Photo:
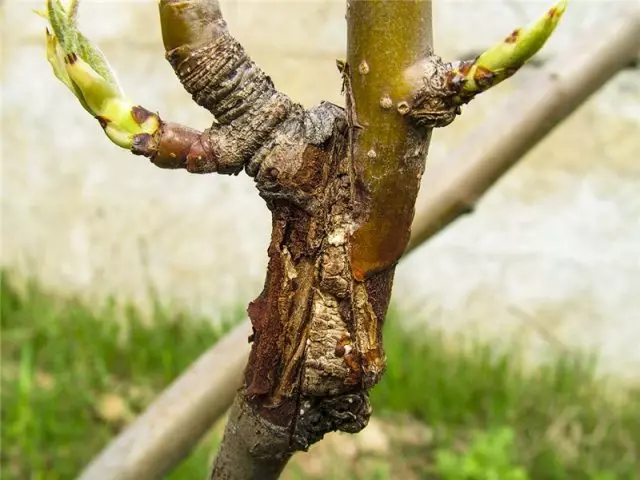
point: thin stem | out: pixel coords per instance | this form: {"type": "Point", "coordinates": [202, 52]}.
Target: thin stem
{"type": "Point", "coordinates": [384, 39]}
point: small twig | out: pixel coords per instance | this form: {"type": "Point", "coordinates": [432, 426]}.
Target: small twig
{"type": "Point", "coordinates": [523, 120]}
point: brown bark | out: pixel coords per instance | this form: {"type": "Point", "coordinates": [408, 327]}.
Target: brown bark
{"type": "Point", "coordinates": [342, 204]}
{"type": "Point", "coordinates": [196, 399]}
{"type": "Point", "coordinates": [341, 185]}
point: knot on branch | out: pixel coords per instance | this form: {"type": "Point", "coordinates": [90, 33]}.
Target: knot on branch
{"type": "Point", "coordinates": [435, 101]}
{"type": "Point", "coordinates": [318, 416]}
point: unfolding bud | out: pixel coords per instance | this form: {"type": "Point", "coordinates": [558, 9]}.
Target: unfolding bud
{"type": "Point", "coordinates": [83, 68]}
{"type": "Point", "coordinates": [439, 89]}
{"type": "Point", "coordinates": [504, 58]}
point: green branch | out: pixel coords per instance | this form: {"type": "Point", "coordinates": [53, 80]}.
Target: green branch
{"type": "Point", "coordinates": [437, 89]}
{"type": "Point", "coordinates": [83, 68]}
{"type": "Point", "coordinates": [505, 58]}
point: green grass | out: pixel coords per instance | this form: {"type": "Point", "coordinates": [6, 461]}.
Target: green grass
{"type": "Point", "coordinates": [567, 423]}
{"type": "Point", "coordinates": [73, 376]}
{"type": "Point", "coordinates": [61, 361]}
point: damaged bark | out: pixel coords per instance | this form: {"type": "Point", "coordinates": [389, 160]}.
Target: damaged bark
{"type": "Point", "coordinates": [341, 185]}
{"type": "Point", "coordinates": [316, 327]}
{"type": "Point", "coordinates": [317, 343]}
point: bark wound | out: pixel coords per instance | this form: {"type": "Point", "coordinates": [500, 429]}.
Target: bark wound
{"type": "Point", "coordinates": [317, 344]}
{"type": "Point", "coordinates": [316, 329]}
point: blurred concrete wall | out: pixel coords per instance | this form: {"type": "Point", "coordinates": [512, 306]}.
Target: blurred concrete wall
{"type": "Point", "coordinates": [552, 253]}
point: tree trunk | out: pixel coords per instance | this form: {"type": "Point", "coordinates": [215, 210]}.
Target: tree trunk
{"type": "Point", "coordinates": [341, 185]}
{"type": "Point", "coordinates": [341, 221]}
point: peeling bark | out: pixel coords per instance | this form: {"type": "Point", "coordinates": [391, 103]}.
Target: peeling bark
{"type": "Point", "coordinates": [341, 185]}
{"type": "Point", "coordinates": [317, 342]}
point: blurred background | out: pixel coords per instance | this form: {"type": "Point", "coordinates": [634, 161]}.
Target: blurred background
{"type": "Point", "coordinates": [557, 239]}
{"type": "Point", "coordinates": [550, 257]}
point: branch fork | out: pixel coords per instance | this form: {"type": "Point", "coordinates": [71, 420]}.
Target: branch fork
{"type": "Point", "coordinates": [340, 184]}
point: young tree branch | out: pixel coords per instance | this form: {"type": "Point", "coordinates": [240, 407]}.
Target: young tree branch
{"type": "Point", "coordinates": [341, 186]}
{"type": "Point", "coordinates": [196, 399]}
{"type": "Point", "coordinates": [524, 119]}
{"type": "Point", "coordinates": [438, 90]}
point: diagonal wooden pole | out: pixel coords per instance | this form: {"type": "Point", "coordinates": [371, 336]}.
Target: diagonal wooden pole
{"type": "Point", "coordinates": [174, 423]}
{"type": "Point", "coordinates": [171, 427]}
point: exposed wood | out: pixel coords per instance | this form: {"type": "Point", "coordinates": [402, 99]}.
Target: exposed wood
{"type": "Point", "coordinates": [157, 441]}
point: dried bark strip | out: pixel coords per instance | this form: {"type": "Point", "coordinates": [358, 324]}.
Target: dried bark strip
{"type": "Point", "coordinates": [341, 187]}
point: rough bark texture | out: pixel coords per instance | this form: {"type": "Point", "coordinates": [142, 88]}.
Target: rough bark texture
{"type": "Point", "coordinates": [341, 185]}
{"type": "Point", "coordinates": [316, 329]}
{"type": "Point", "coordinates": [316, 342]}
